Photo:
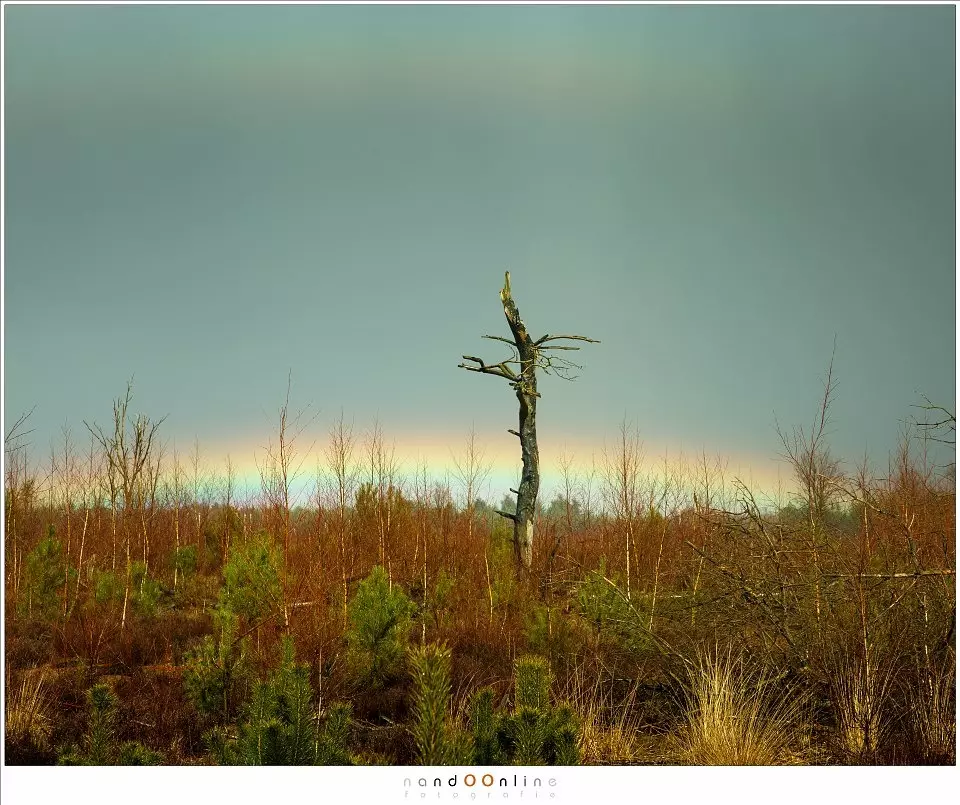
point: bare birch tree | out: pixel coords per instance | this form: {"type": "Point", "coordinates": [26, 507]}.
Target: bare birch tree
{"type": "Point", "coordinates": [20, 487]}
{"type": "Point", "coordinates": [623, 492]}
{"type": "Point", "coordinates": [471, 469]}
{"type": "Point", "coordinates": [343, 474]}
{"type": "Point", "coordinates": [130, 449]}
{"type": "Point", "coordinates": [279, 471]}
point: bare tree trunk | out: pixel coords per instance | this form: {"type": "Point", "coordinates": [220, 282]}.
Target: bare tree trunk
{"type": "Point", "coordinates": [126, 583]}
{"type": "Point", "coordinates": [339, 457]}
{"type": "Point", "coordinates": [528, 356]}
{"type": "Point", "coordinates": [83, 538]}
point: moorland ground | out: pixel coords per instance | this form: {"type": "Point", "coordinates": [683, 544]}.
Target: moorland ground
{"type": "Point", "coordinates": [156, 615]}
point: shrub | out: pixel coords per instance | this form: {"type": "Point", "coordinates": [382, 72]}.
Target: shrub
{"type": "Point", "coordinates": [45, 574]}
{"type": "Point", "coordinates": [535, 733]}
{"type": "Point", "coordinates": [99, 746]}
{"type": "Point", "coordinates": [606, 608]}
{"type": "Point", "coordinates": [252, 578]}
{"type": "Point", "coordinates": [436, 739]}
{"type": "Point", "coordinates": [437, 602]}
{"type": "Point", "coordinates": [28, 725]}
{"type": "Point", "coordinates": [107, 587]}
{"type": "Point", "coordinates": [378, 629]}
{"type": "Point", "coordinates": [738, 718]}
{"type": "Point", "coordinates": [279, 727]}
{"type": "Point", "coordinates": [933, 710]}
{"type": "Point", "coordinates": [860, 689]}
{"type": "Point", "coordinates": [334, 734]}
{"type": "Point", "coordinates": [217, 671]}
{"type": "Point", "coordinates": [532, 679]}
{"type": "Point", "coordinates": [485, 726]}
{"type": "Point", "coordinates": [185, 560]}
{"type": "Point", "coordinates": [551, 632]}
{"type": "Point", "coordinates": [145, 592]}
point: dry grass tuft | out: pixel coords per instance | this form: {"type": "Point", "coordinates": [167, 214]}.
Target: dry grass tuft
{"type": "Point", "coordinates": [28, 707]}
{"type": "Point", "coordinates": [610, 732]}
{"type": "Point", "coordinates": [740, 718]}
{"type": "Point", "coordinates": [860, 688]}
{"type": "Point", "coordinates": [934, 713]}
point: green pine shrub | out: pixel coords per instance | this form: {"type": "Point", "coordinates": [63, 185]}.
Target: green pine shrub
{"type": "Point", "coordinates": [185, 561]}
{"type": "Point", "coordinates": [614, 618]}
{"type": "Point", "coordinates": [437, 740]}
{"type": "Point", "coordinates": [531, 683]}
{"type": "Point", "coordinates": [553, 633]}
{"type": "Point", "coordinates": [279, 725]}
{"type": "Point", "coordinates": [145, 592]}
{"type": "Point", "coordinates": [535, 732]}
{"type": "Point", "coordinates": [99, 746]}
{"type": "Point", "coordinates": [217, 672]}
{"type": "Point", "coordinates": [251, 578]}
{"type": "Point", "coordinates": [107, 587]}
{"type": "Point", "coordinates": [485, 726]}
{"type": "Point", "coordinates": [379, 619]}
{"type": "Point", "coordinates": [44, 577]}
{"type": "Point", "coordinates": [334, 736]}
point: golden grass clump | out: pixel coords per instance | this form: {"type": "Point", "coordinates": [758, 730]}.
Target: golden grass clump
{"type": "Point", "coordinates": [609, 733]}
{"type": "Point", "coordinates": [27, 712]}
{"type": "Point", "coordinates": [933, 709]}
{"type": "Point", "coordinates": [736, 717]}
{"type": "Point", "coordinates": [860, 688]}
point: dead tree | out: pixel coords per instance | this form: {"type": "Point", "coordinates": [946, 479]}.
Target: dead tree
{"type": "Point", "coordinates": [520, 371]}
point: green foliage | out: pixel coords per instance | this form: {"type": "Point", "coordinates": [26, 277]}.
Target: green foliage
{"type": "Point", "coordinates": [45, 574]}
{"type": "Point", "coordinates": [535, 733]}
{"type": "Point", "coordinates": [527, 735]}
{"type": "Point", "coordinates": [280, 730]}
{"type": "Point", "coordinates": [185, 560]}
{"type": "Point", "coordinates": [437, 602]}
{"type": "Point", "coordinates": [606, 608]}
{"type": "Point", "coordinates": [553, 633]}
{"type": "Point", "coordinates": [334, 734]}
{"type": "Point", "coordinates": [435, 737]}
{"type": "Point", "coordinates": [99, 746]}
{"type": "Point", "coordinates": [134, 753]}
{"type": "Point", "coordinates": [378, 630]}
{"type": "Point", "coordinates": [485, 724]}
{"type": "Point", "coordinates": [107, 587]}
{"type": "Point", "coordinates": [217, 672]}
{"type": "Point", "coordinates": [562, 747]}
{"type": "Point", "coordinates": [145, 592]}
{"type": "Point", "coordinates": [252, 578]}
{"type": "Point", "coordinates": [279, 726]}
{"type": "Point", "coordinates": [531, 679]}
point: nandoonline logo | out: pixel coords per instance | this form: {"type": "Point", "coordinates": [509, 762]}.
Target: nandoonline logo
{"type": "Point", "coordinates": [481, 786]}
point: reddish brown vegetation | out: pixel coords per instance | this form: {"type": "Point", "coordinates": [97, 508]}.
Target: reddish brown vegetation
{"type": "Point", "coordinates": [849, 592]}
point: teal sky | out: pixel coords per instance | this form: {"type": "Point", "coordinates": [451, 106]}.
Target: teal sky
{"type": "Point", "coordinates": [206, 198]}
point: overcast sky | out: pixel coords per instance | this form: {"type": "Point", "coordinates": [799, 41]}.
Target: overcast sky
{"type": "Point", "coordinates": [208, 198]}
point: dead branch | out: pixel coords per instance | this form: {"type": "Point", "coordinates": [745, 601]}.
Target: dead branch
{"type": "Point", "coordinates": [498, 369]}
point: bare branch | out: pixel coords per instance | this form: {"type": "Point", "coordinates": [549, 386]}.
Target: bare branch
{"type": "Point", "coordinates": [944, 419]}
{"type": "Point", "coordinates": [15, 433]}
{"type": "Point", "coordinates": [544, 339]}
{"type": "Point", "coordinates": [500, 338]}
{"type": "Point", "coordinates": [499, 369]}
